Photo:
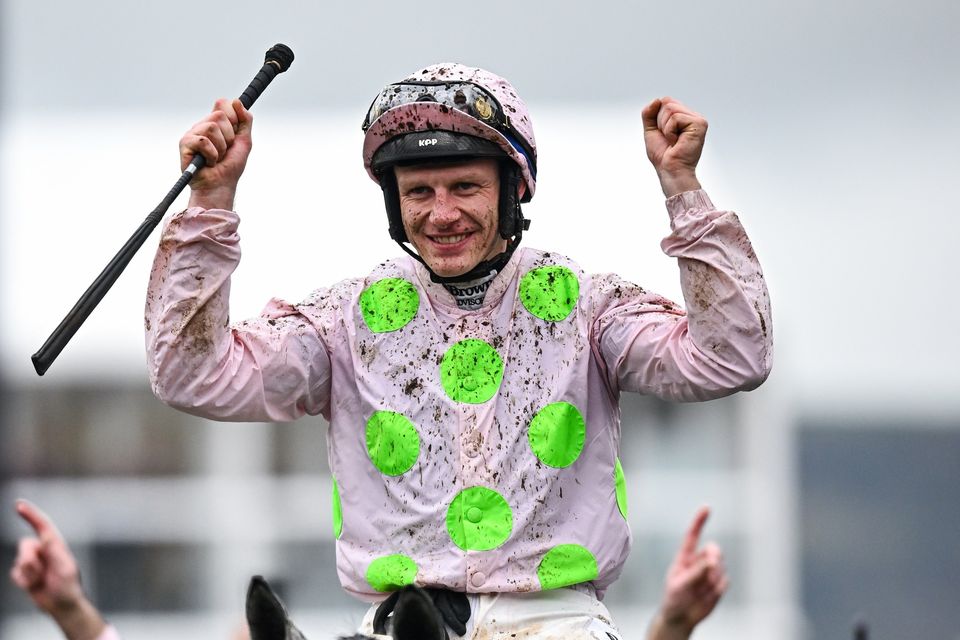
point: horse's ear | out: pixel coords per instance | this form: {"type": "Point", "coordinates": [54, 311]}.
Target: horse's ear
{"type": "Point", "coordinates": [415, 617]}
{"type": "Point", "coordinates": [266, 615]}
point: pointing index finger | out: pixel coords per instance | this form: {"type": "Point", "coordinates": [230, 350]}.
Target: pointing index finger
{"type": "Point", "coordinates": [37, 520]}
{"type": "Point", "coordinates": [692, 537]}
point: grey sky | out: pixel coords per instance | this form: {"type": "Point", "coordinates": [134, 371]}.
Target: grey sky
{"type": "Point", "coordinates": [113, 53]}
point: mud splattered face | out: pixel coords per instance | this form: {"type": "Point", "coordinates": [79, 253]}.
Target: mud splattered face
{"type": "Point", "coordinates": [450, 213]}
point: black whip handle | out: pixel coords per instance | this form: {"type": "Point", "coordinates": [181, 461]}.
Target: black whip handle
{"type": "Point", "coordinates": [278, 60]}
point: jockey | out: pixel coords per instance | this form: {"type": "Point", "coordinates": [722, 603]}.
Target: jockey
{"type": "Point", "coordinates": [472, 385]}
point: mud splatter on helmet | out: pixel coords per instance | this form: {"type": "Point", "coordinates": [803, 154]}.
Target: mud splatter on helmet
{"type": "Point", "coordinates": [446, 112]}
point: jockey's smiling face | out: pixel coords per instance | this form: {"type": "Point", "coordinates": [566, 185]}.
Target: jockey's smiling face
{"type": "Point", "coordinates": [450, 213]}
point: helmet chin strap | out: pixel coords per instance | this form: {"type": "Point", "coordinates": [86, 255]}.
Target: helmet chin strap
{"type": "Point", "coordinates": [484, 268]}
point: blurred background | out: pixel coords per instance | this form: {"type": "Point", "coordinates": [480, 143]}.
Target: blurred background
{"type": "Point", "coordinates": [835, 486]}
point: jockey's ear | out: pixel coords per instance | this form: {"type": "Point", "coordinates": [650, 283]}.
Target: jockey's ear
{"type": "Point", "coordinates": [266, 615]}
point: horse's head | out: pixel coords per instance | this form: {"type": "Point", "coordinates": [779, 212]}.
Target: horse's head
{"type": "Point", "coordinates": [411, 612]}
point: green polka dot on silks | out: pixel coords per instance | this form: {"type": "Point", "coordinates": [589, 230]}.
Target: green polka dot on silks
{"type": "Point", "coordinates": [389, 304]}
{"type": "Point", "coordinates": [557, 434]}
{"type": "Point", "coordinates": [390, 573]}
{"type": "Point", "coordinates": [393, 443]}
{"type": "Point", "coordinates": [620, 484]}
{"type": "Point", "coordinates": [566, 564]}
{"type": "Point", "coordinates": [471, 371]}
{"type": "Point", "coordinates": [479, 519]}
{"type": "Point", "coordinates": [337, 511]}
{"type": "Point", "coordinates": [550, 293]}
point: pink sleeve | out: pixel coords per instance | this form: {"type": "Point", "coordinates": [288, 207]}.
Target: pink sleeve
{"type": "Point", "coordinates": [722, 343]}
{"type": "Point", "coordinates": [272, 368]}
{"type": "Point", "coordinates": [109, 633]}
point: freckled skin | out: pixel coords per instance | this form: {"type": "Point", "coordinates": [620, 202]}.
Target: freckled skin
{"type": "Point", "coordinates": [440, 202]}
